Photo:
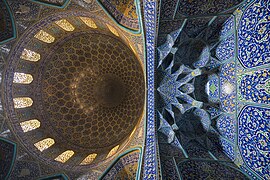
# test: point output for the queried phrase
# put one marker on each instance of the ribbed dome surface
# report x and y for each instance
(92, 90)
(75, 90)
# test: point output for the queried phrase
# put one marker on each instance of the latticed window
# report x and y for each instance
(112, 29)
(64, 156)
(89, 22)
(30, 55)
(30, 125)
(22, 102)
(44, 144)
(64, 24)
(22, 78)
(113, 151)
(44, 36)
(90, 158)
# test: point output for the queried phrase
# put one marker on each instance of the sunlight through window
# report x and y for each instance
(22, 78)
(30, 125)
(44, 36)
(64, 24)
(22, 102)
(90, 158)
(44, 144)
(89, 22)
(30, 55)
(64, 156)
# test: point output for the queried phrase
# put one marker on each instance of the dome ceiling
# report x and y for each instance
(77, 90)
(65, 80)
(213, 89)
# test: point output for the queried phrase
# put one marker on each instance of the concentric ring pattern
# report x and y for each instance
(74, 90)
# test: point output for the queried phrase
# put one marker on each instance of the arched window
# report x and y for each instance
(89, 22)
(113, 30)
(90, 158)
(30, 125)
(30, 55)
(44, 36)
(44, 144)
(64, 156)
(64, 24)
(22, 102)
(22, 78)
(113, 151)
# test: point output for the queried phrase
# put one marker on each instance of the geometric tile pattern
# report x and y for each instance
(227, 87)
(225, 49)
(213, 112)
(203, 7)
(213, 88)
(226, 126)
(7, 26)
(169, 169)
(227, 148)
(125, 167)
(25, 10)
(53, 3)
(253, 35)
(254, 134)
(227, 27)
(28, 12)
(150, 170)
(252, 87)
(124, 12)
(58, 177)
(208, 170)
(255, 86)
(25, 170)
(7, 157)
(62, 89)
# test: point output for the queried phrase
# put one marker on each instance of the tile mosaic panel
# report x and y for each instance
(203, 58)
(204, 7)
(125, 168)
(169, 171)
(227, 27)
(253, 35)
(208, 170)
(25, 10)
(53, 3)
(124, 12)
(255, 86)
(7, 26)
(213, 63)
(227, 87)
(167, 11)
(7, 157)
(253, 139)
(214, 112)
(226, 126)
(225, 49)
(213, 88)
(25, 170)
(150, 170)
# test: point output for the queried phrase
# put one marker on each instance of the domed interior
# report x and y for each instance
(73, 89)
(86, 94)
